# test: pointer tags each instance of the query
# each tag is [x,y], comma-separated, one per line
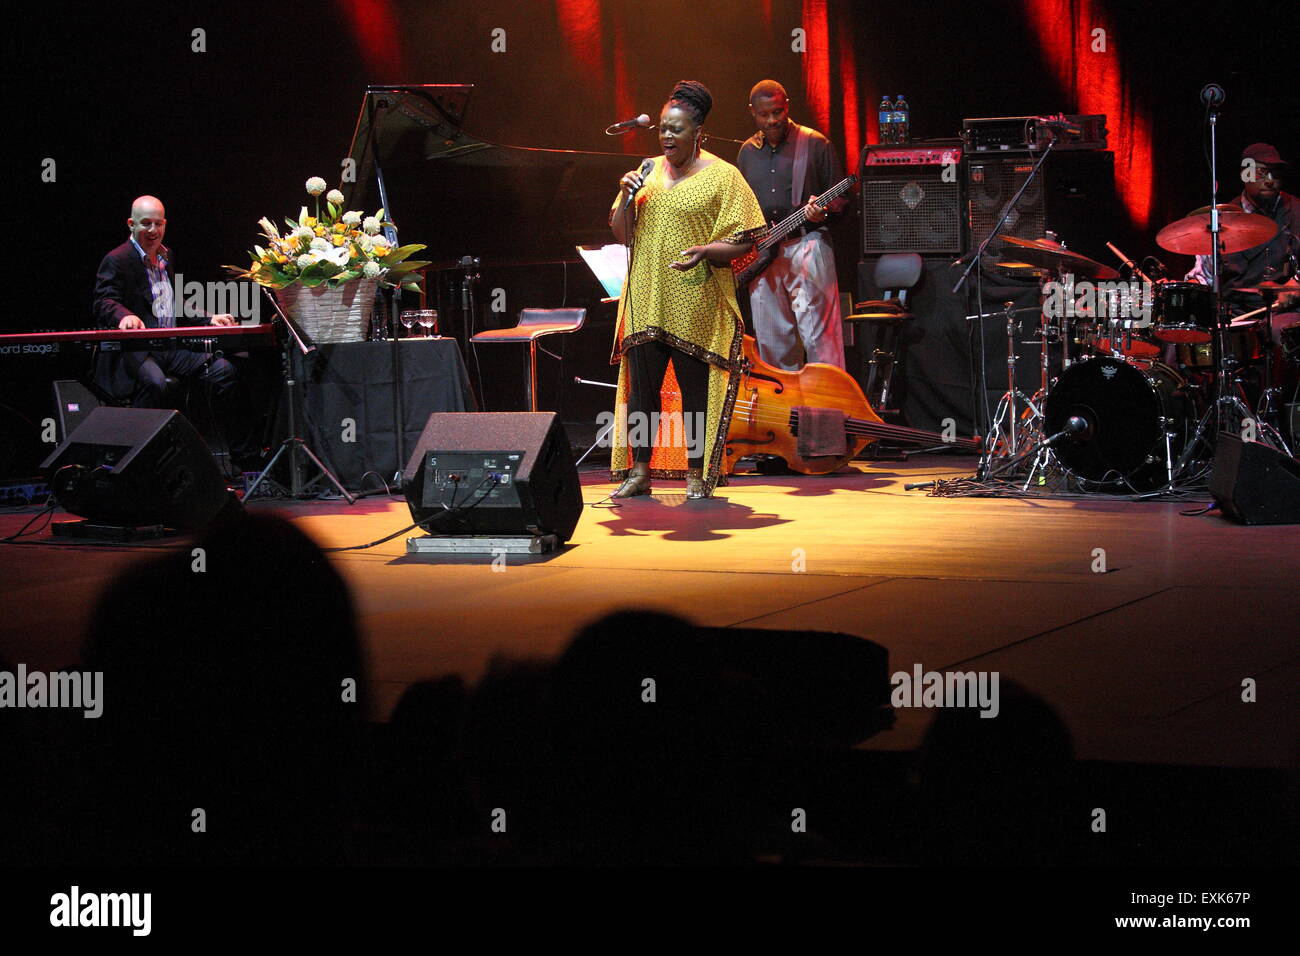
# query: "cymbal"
[1238,230]
[1271,288]
[1044,252]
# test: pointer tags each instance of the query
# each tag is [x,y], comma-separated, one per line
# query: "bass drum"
[1127,409]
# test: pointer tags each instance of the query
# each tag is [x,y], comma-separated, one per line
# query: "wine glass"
[429,320]
[408,320]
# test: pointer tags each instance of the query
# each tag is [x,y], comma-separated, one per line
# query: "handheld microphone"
[617,129]
[646,168]
[1212,94]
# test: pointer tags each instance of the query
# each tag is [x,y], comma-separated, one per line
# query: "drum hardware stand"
[295,445]
[1010,438]
[1268,413]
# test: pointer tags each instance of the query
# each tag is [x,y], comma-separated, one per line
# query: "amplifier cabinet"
[912,198]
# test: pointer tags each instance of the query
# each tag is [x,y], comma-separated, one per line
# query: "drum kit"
[1147,371]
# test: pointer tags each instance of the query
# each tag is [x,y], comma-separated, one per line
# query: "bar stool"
[533,324]
[896,275]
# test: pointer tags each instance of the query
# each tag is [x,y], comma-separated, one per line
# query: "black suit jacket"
[122,289]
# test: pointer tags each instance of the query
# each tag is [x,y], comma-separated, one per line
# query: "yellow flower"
[281,258]
[319,230]
[256,266]
[309,221]
[339,227]
[338,240]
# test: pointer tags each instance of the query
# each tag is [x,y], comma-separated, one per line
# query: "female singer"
[679,302]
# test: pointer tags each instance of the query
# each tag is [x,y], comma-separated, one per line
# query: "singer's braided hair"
[692,96]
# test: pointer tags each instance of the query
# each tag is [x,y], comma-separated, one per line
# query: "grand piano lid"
[464,196]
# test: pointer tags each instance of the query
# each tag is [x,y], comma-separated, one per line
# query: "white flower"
[320,244]
[370,225]
[364,243]
[352,218]
[338,256]
[268,228]
[304,232]
[371,270]
[315,186]
[335,197]
[307,259]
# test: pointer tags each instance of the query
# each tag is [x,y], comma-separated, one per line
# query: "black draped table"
[350,399]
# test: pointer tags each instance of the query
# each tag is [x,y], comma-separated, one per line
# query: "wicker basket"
[331,315]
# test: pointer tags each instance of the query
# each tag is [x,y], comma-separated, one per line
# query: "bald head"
[148,223]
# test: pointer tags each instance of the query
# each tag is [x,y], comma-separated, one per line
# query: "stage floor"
[1144,662]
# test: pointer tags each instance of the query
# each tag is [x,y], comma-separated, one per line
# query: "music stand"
[295,444]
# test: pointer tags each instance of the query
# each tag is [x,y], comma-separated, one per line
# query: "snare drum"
[1120,337]
[1184,312]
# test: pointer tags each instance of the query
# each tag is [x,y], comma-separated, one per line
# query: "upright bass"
[770,403]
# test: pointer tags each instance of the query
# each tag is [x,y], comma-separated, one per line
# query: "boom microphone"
[618,129]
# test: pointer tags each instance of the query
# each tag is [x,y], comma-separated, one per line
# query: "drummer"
[1273,261]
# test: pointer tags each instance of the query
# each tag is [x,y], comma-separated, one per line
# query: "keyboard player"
[134,290]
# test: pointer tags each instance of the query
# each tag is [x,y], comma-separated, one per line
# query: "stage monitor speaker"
[504,472]
[73,403]
[138,466]
[911,198]
[1073,195]
[1255,484]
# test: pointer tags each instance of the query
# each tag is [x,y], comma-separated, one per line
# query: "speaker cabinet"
[911,199]
[138,466]
[1255,484]
[498,472]
[1073,195]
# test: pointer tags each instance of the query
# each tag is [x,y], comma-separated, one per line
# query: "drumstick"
[1243,318]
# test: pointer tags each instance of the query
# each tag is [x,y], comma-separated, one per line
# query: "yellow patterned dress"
[693,311]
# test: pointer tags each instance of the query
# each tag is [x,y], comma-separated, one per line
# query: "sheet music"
[608,264]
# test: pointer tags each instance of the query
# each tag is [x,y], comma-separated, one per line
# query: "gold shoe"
[695,484]
[636,483]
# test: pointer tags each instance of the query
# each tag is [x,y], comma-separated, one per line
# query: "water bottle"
[902,119]
[886,120]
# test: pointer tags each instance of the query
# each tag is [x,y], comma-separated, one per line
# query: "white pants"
[796,306]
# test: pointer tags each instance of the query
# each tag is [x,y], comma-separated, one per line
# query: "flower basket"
[331,315]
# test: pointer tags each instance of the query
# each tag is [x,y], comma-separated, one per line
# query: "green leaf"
[410,287]
[400,253]
[380,214]
[410,265]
